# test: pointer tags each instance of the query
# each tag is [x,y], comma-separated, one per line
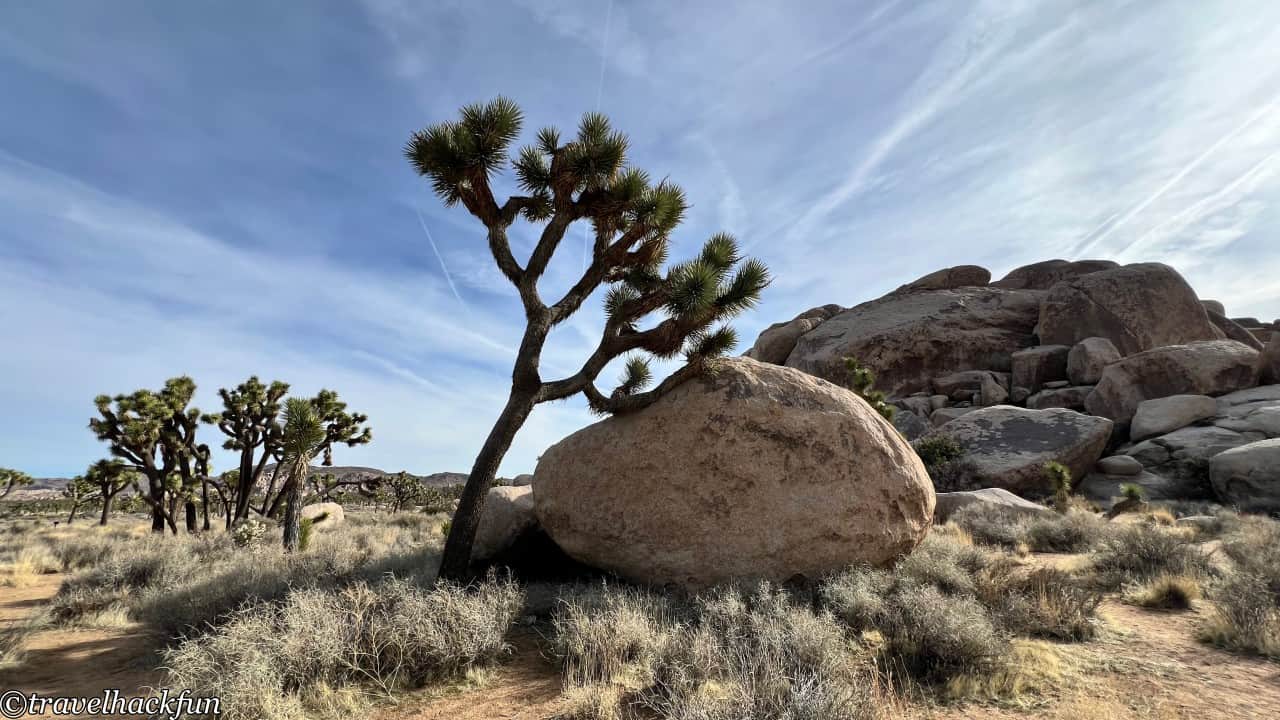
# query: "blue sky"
[217,189]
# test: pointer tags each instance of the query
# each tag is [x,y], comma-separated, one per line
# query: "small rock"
[950,502]
[942,416]
[1119,465]
[1068,397]
[1057,384]
[1019,395]
[937,402]
[992,392]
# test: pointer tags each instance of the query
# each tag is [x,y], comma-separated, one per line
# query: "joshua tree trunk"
[204,501]
[456,562]
[192,517]
[75,507]
[106,507]
[157,507]
[292,492]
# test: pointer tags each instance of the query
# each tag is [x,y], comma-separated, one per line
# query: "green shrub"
[306,526]
[1059,477]
[937,450]
[933,636]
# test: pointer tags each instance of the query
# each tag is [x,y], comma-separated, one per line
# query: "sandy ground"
[1146,665]
[74,663]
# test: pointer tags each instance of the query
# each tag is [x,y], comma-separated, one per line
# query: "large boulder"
[778,340]
[949,278]
[1212,367]
[1269,362]
[508,514]
[1248,477]
[909,339]
[1035,366]
[753,471]
[948,503]
[323,515]
[1164,415]
[1106,488]
[1007,447]
[1088,358]
[1136,307]
[1233,331]
[1254,412]
[1068,397]
[1046,274]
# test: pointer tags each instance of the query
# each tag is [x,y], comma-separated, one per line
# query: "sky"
[217,188]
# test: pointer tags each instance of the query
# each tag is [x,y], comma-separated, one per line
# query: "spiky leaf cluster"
[110,476]
[304,431]
[861,380]
[150,429]
[460,154]
[340,427]
[250,415]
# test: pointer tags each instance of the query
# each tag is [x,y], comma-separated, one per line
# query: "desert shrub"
[1166,592]
[81,553]
[248,531]
[933,636]
[1059,477]
[942,563]
[935,450]
[857,596]
[13,639]
[601,634]
[1133,492]
[1041,603]
[591,702]
[1254,546]
[307,527]
[24,561]
[271,660]
[1074,531]
[1070,532]
[729,654]
[1140,551]
[1244,615]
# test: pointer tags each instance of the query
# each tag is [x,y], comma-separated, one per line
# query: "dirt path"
[74,663]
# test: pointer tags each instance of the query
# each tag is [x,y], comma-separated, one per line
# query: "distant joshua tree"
[250,420]
[110,478]
[582,178]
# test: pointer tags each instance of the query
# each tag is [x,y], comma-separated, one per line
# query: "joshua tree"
[110,478]
[340,427]
[582,178]
[311,428]
[250,420]
[406,490]
[1059,476]
[152,432]
[79,491]
[11,480]
[861,380]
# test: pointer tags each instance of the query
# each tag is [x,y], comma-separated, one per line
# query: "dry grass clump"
[13,639]
[1042,603]
[1138,552]
[24,561]
[730,654]
[1245,612]
[1071,532]
[283,660]
[1166,592]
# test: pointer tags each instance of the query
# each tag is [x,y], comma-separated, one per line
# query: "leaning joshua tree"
[109,478]
[582,178]
[11,480]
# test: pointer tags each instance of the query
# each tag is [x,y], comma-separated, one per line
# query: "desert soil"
[1146,664]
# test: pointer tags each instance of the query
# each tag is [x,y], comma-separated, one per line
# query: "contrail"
[604,56]
[1192,212]
[436,250]
[1177,178]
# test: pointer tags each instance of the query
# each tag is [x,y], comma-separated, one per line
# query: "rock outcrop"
[1212,367]
[1007,447]
[949,279]
[909,339]
[777,341]
[1137,307]
[1044,275]
[763,472]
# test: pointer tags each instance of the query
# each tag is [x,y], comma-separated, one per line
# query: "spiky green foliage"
[340,426]
[566,180]
[1059,477]
[862,380]
[78,491]
[303,439]
[1133,492]
[405,490]
[10,480]
[153,432]
[250,420]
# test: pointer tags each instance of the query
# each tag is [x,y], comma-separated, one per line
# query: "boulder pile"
[1119,372]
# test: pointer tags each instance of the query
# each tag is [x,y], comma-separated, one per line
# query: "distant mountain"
[47,488]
